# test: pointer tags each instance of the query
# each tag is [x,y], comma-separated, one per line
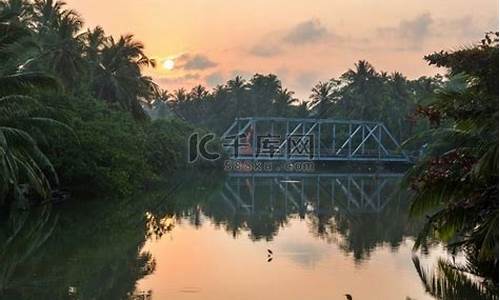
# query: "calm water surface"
[208,237]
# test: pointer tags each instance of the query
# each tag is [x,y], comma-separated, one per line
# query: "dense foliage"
[456,183]
[72,108]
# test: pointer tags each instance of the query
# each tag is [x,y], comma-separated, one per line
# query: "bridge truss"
[273,138]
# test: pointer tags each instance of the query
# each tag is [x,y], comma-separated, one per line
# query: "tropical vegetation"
[361,93]
[456,182]
[72,108]
[78,113]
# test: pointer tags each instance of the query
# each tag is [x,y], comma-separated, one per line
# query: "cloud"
[214,79]
[309,31]
[465,27]
[413,31]
[195,62]
[414,34]
[178,79]
[266,50]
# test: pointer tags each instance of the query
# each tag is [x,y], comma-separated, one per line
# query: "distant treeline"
[360,94]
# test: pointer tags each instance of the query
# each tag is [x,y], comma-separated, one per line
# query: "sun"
[168,64]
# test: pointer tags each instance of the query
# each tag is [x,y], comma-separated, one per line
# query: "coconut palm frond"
[20,82]
[446,282]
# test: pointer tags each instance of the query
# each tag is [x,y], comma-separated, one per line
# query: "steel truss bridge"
[257,193]
[272,138]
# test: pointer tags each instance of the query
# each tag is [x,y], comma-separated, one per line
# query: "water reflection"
[22,233]
[323,228]
[356,211]
[206,237]
[93,252]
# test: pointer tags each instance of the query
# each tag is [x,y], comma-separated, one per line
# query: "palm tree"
[180,97]
[399,102]
[364,70]
[15,11]
[118,77]
[200,98]
[163,95]
[322,98]
[23,165]
[362,92]
[263,89]
[159,107]
[199,92]
[58,30]
[237,87]
[16,35]
[95,40]
[180,103]
[283,102]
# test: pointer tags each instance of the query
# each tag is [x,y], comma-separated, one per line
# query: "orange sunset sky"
[301,41]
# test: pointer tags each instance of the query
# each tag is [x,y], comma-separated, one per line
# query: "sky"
[302,41]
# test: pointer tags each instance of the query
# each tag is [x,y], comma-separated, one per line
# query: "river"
[223,236]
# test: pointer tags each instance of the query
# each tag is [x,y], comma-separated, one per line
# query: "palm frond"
[18,83]
[447,282]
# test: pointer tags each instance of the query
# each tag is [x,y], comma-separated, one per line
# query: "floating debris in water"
[72,290]
[290,181]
